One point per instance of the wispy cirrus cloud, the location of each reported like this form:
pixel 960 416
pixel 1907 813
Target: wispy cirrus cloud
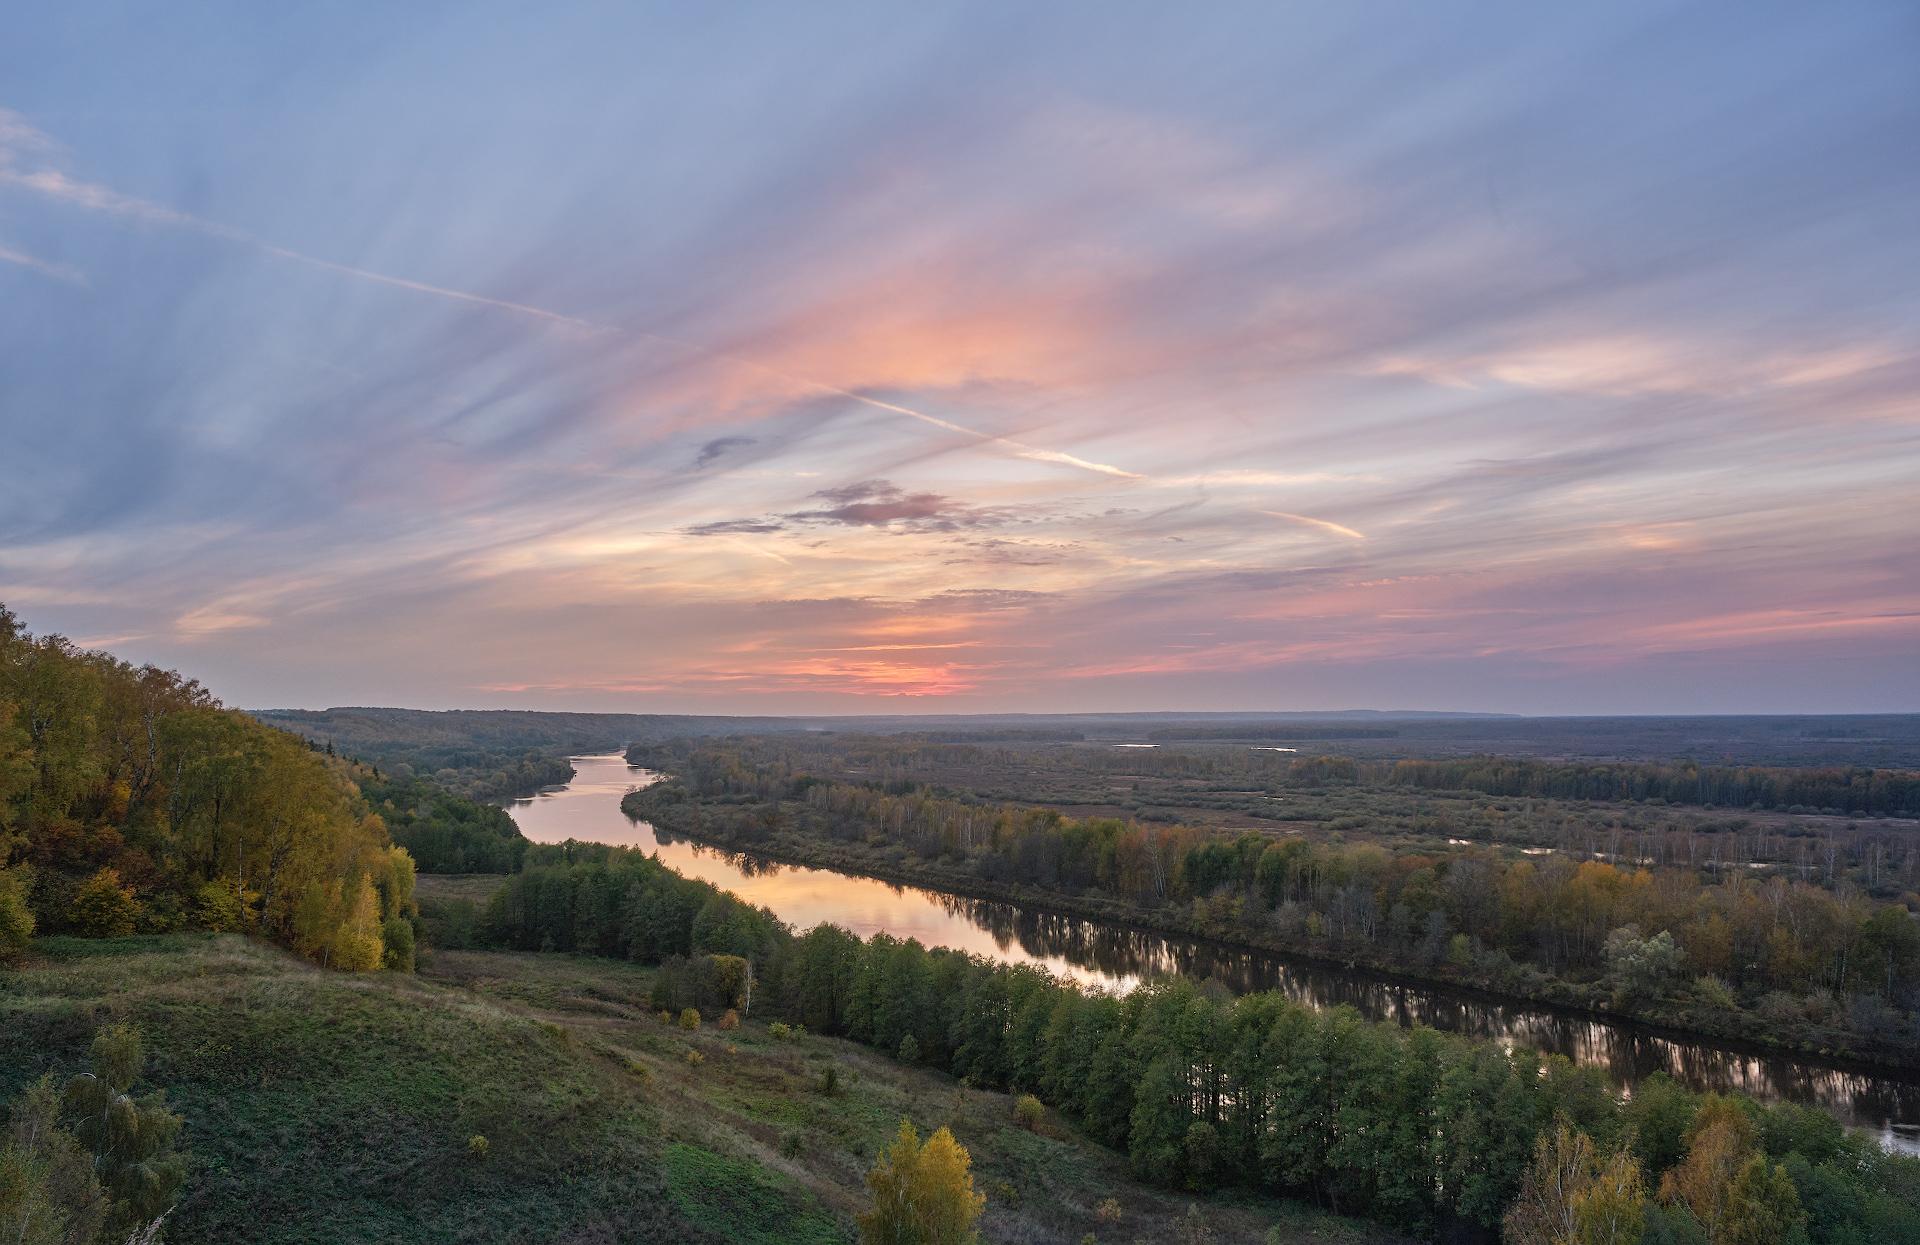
pixel 995 354
pixel 46 268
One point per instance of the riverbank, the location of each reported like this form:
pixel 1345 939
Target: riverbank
pixel 1738 1030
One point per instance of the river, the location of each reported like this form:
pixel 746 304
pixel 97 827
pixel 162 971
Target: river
pixel 588 809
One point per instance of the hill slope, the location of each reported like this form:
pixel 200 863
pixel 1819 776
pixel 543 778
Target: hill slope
pixel 323 1107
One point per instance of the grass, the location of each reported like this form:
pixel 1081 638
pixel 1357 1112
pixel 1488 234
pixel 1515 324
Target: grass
pixel 327 1108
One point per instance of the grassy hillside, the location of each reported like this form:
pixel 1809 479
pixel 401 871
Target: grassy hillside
pixel 323 1107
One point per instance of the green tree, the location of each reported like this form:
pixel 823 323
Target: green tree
pixel 1658 1119
pixel 132 1139
pixel 396 934
pixel 1763 1207
pixel 1642 968
pixel 922 1194
pixel 1162 1110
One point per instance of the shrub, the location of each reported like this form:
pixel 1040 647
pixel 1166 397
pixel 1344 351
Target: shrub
pixel 921 1192
pixel 1028 1111
pixel 219 906
pixel 1714 993
pixel 1194 1228
pixel 730 1021
pixel 793 1145
pixel 1108 1211
pixel 780 1032
pixel 16 918
pixel 666 1017
pixel 102 908
pixel 830 1081
pixel 694 1058
pixel 909 1049
pixel 640 1071
pixel 690 1019
pixel 477 1146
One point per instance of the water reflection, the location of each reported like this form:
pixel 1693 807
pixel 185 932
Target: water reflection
pixel 1117 957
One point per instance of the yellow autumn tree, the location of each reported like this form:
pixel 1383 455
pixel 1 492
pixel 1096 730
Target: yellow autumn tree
pixel 1718 1147
pixel 1612 1209
pixel 357 946
pixel 1573 1196
pixel 1543 1214
pixel 922 1194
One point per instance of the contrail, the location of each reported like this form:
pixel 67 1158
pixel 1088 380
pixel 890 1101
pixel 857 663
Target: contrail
pixel 95 197
pixel 1310 521
pixel 1020 448
pixel 422 287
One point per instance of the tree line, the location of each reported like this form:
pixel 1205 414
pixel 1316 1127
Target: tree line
pixel 1800 953
pixel 1423 1131
pixel 132 802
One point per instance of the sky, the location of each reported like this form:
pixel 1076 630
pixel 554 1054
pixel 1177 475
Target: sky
pixel 977 357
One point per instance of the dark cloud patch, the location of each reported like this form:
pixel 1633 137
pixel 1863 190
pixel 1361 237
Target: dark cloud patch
pixel 735 527
pixel 1003 552
pixel 870 504
pixel 717 448
pixel 986 598
pixel 881 503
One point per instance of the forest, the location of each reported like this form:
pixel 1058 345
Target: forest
pixel 443 831
pixel 1814 955
pixel 1428 1133
pixel 131 801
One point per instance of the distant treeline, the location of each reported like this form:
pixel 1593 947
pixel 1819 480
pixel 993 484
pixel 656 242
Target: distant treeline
pixel 1844 790
pixel 489 754
pixel 1838 789
pixel 130 801
pixel 984 735
pixel 1422 1131
pixel 1255 731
